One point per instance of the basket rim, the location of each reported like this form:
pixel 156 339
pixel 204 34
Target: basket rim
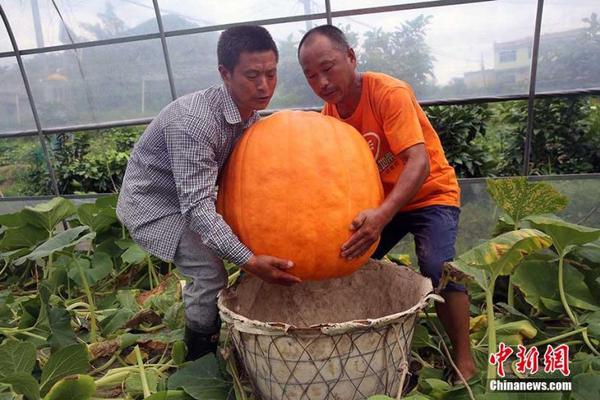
pixel 247 325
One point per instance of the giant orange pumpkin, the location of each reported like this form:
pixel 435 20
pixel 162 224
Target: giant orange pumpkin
pixel 292 186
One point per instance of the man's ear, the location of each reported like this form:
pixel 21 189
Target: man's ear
pixel 352 56
pixel 225 74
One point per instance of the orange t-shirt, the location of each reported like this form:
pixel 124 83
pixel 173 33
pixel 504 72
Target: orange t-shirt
pixel 391 120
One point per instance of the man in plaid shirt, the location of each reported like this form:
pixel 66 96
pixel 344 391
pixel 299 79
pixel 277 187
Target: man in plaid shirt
pixel 167 201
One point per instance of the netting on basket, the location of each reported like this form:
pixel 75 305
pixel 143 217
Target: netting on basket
pixel 314 341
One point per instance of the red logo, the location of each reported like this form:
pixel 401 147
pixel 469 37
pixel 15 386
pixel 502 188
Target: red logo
pixel 374 143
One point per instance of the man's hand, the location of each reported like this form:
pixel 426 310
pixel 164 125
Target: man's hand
pixel 367 227
pixel 271 270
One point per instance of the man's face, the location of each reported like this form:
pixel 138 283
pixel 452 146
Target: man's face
pixel 329 70
pixel 252 81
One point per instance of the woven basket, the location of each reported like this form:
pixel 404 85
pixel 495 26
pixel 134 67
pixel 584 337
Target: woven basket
pixel 346 338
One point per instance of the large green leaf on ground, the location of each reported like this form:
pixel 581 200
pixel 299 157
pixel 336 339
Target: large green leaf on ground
pixel 22 236
pixel 75 387
pixel 23 383
pixel 590 252
pixel 115 321
pixel 67 361
pixel 97 218
pixel 163 296
pixel 60 241
pixel 16 357
pixel 48 215
pixel 500 255
pixel 586 387
pixel 201 379
pixel 133 253
pixel 565 235
pixel 520 198
pixel 99 268
pixel 593 323
pixel 133 383
pixel 62 334
pixel 583 363
pixel 170 395
pixel 12 220
pixel 537 278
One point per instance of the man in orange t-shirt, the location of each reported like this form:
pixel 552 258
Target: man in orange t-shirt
pixel 422 193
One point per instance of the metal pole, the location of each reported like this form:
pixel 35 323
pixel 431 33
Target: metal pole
pixel 328 12
pixel 36 117
pixel 532 80
pixel 163 41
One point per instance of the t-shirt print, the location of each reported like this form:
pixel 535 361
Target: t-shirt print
pixel 384 157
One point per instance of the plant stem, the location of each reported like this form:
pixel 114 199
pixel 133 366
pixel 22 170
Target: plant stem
pixel 587 341
pixel 559 337
pixel 561 289
pixel 12 332
pixel 491 329
pixel 150 270
pixel 511 292
pixel 115 379
pixel 92 308
pixel 138 357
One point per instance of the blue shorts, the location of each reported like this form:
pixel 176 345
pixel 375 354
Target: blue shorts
pixel 434 229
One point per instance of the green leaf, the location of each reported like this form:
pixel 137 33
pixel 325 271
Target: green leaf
pixel 178 352
pixel 590 252
pixel 500 255
pixel 48 215
pixel 537 278
pixel 170 395
pixel 99 268
pixel 381 397
pixel 16 357
pixel 67 361
pixel 164 296
pixel 22 236
pixel 76 387
pixel 108 202
pixel 115 321
pixel 201 379
pixel 513 333
pixel 134 254
pixel 593 323
pixel 23 383
pixel 133 383
pixel 62 334
pixel 62 240
pixel 586 387
pixel 421 338
pixel 520 198
pixel 98 219
pixel 565 235
pixel 11 220
pixel 127 299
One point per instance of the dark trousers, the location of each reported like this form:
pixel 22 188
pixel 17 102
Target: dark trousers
pixel 434 229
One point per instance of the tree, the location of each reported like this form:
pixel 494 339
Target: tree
pixel 403 53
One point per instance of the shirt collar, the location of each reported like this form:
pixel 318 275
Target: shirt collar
pixel 231 112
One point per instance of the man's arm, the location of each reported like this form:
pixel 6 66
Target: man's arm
pixel 369 223
pixel 195 169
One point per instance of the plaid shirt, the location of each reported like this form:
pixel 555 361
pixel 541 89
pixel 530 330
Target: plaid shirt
pixel 170 181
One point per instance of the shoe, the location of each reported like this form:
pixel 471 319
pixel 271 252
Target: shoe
pixel 199 344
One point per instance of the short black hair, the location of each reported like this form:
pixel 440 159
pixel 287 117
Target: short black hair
pixel 334 34
pixel 250 38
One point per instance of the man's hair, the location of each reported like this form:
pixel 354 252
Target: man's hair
pixel 243 38
pixel 334 34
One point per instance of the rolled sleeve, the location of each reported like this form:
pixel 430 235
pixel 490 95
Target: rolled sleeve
pixel 195 170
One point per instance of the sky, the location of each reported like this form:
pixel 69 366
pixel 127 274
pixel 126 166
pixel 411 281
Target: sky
pixel 461 37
